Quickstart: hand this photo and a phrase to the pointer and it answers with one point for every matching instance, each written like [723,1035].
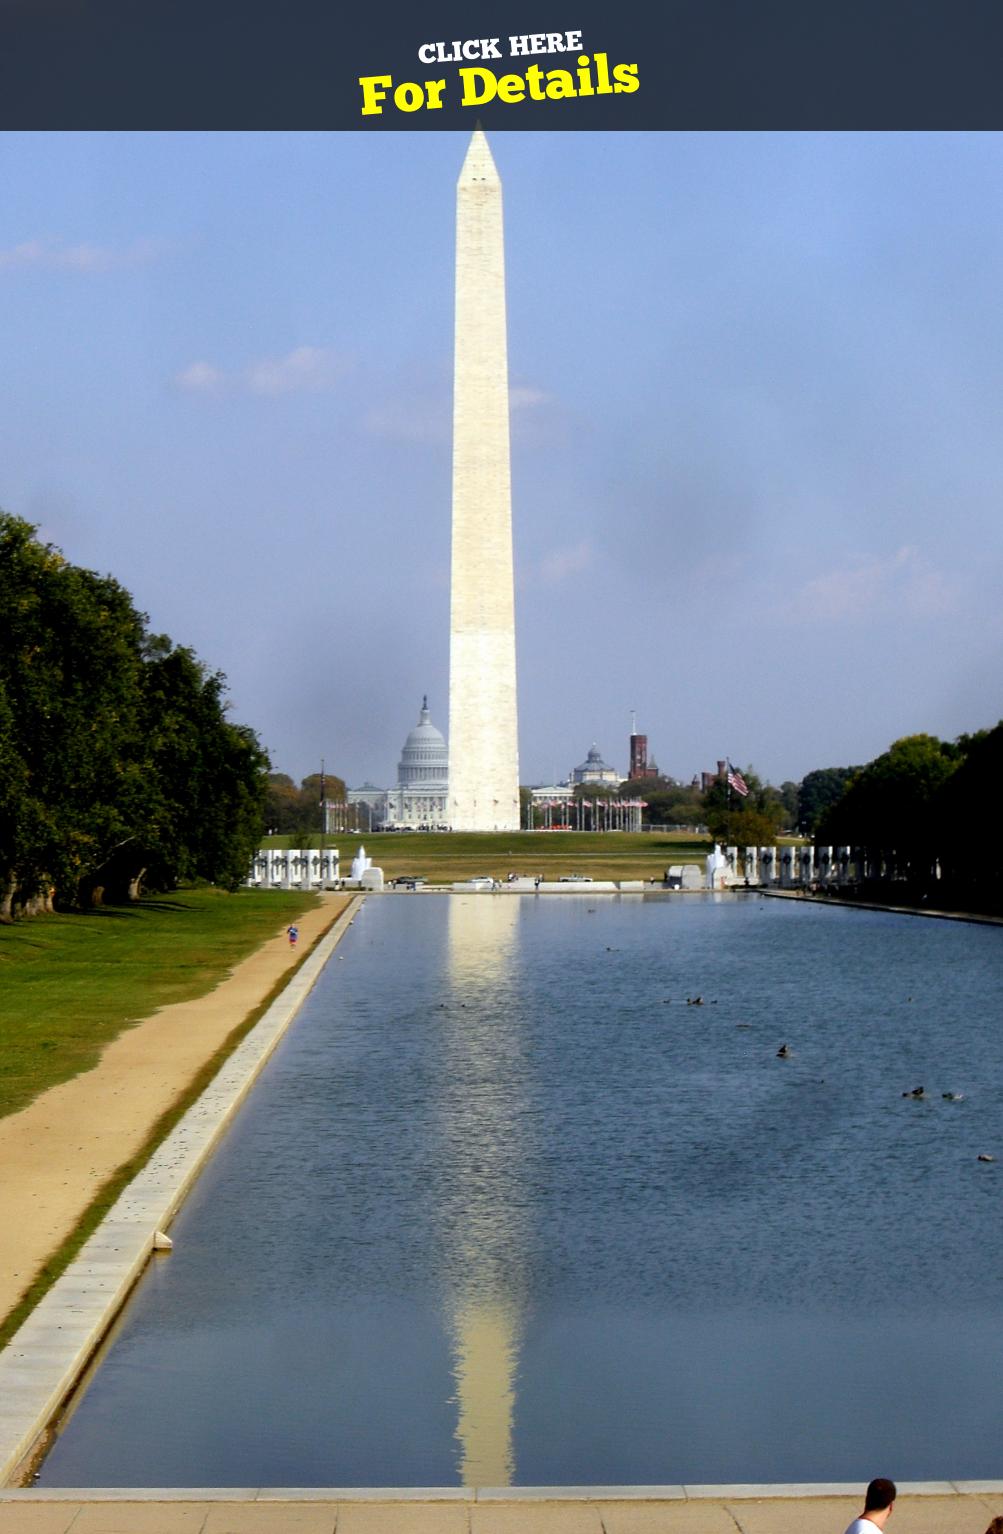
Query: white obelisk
[483,727]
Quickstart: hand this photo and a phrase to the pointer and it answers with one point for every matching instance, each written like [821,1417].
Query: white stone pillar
[483,726]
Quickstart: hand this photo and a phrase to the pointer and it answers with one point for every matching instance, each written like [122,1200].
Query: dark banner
[301,64]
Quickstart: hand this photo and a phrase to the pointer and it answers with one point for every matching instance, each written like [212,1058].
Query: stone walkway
[724,1510]
[57,1152]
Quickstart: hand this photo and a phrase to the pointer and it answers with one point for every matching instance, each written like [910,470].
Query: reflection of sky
[485,1315]
[504,1159]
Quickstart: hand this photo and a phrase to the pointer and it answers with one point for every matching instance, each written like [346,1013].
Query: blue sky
[757,427]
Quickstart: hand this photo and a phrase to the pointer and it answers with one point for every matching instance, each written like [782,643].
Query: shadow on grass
[117,912]
[159,905]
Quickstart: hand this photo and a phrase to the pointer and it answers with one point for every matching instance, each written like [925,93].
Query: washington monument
[483,726]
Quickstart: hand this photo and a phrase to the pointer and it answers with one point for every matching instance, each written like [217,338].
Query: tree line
[921,811]
[764,813]
[292,811]
[119,768]
[922,803]
[925,805]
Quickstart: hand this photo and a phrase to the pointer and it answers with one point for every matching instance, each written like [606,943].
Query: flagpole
[323,825]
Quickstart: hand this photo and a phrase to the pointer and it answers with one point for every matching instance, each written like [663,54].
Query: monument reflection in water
[484,1235]
[503,1208]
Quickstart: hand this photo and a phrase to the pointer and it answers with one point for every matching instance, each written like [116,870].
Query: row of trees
[118,765]
[757,818]
[924,803]
[297,811]
[916,800]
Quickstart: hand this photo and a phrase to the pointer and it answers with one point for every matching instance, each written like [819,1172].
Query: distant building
[418,803]
[708,779]
[594,770]
[369,807]
[640,767]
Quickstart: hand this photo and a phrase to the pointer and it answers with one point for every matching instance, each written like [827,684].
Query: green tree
[207,776]
[281,802]
[889,804]
[742,827]
[668,803]
[749,821]
[820,792]
[116,758]
[293,811]
[789,796]
[961,818]
[594,791]
[70,672]
[18,808]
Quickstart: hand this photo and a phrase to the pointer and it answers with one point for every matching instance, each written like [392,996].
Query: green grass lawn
[69,984]
[445,856]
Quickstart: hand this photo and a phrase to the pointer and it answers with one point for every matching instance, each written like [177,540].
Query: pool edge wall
[47,1356]
[788,1493]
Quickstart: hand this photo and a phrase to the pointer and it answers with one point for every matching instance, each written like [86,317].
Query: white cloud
[200,378]
[423,418]
[47,255]
[563,562]
[904,584]
[304,370]
[522,397]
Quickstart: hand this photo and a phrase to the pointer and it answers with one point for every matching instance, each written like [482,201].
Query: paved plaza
[723,1510]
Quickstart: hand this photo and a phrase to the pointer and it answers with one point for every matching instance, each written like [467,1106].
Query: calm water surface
[503,1208]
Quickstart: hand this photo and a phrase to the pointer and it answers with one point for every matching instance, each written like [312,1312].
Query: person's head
[880,1495]
[996,1527]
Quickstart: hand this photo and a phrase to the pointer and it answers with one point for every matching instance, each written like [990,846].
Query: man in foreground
[879,1502]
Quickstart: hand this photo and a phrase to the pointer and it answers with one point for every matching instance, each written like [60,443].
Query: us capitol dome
[418,803]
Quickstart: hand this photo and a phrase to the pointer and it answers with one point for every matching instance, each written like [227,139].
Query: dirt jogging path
[57,1153]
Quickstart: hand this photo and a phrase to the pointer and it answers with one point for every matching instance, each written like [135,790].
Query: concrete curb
[493,1494]
[48,1355]
[835,904]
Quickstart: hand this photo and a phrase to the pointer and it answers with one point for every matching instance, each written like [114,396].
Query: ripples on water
[504,1207]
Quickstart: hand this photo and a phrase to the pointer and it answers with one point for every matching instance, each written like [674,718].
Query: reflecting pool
[506,1206]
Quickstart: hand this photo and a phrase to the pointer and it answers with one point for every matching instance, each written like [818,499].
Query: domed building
[418,803]
[595,770]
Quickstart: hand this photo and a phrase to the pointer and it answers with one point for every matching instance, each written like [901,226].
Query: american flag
[736,781]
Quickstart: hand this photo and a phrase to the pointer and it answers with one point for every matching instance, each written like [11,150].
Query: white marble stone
[483,725]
